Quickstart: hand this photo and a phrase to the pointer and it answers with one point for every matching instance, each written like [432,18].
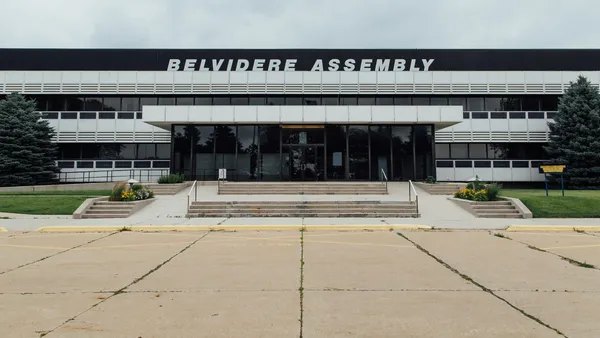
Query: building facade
[285,115]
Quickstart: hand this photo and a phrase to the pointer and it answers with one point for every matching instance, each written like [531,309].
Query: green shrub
[430,180]
[171,179]
[480,196]
[137,187]
[492,191]
[117,191]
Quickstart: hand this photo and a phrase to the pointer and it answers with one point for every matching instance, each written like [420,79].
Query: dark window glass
[549,103]
[148,101]
[312,101]
[420,101]
[463,164]
[239,101]
[74,104]
[501,164]
[116,151]
[146,151]
[358,146]
[479,115]
[56,103]
[402,148]
[269,161]
[293,101]
[381,152]
[87,116]
[478,150]
[257,101]
[275,101]
[106,116]
[123,164]
[538,115]
[514,115]
[551,116]
[366,101]
[493,103]
[330,101]
[68,116]
[384,100]
[442,150]
[336,152]
[104,164]
[182,139]
[402,101]
[445,164]
[125,116]
[93,104]
[466,115]
[496,151]
[112,103]
[203,101]
[69,151]
[499,116]
[184,101]
[510,104]
[303,136]
[348,100]
[221,101]
[130,104]
[247,153]
[483,164]
[163,151]
[139,115]
[475,103]
[142,164]
[50,116]
[66,165]
[89,150]
[459,150]
[205,156]
[530,103]
[458,101]
[423,151]
[520,164]
[41,103]
[439,101]
[85,164]
[226,148]
[166,101]
[536,164]
[161,164]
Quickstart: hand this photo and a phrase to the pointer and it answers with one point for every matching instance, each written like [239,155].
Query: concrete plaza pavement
[432,283]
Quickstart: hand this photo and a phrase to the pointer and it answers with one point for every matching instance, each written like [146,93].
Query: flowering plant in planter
[478,191]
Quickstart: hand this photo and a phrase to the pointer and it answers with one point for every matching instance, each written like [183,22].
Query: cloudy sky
[301,23]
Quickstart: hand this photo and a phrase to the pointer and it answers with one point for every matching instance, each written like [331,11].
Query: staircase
[166,189]
[442,188]
[496,209]
[107,209]
[304,188]
[303,209]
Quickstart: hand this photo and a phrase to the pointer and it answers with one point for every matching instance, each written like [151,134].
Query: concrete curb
[85,205]
[164,228]
[516,228]
[520,206]
[3,229]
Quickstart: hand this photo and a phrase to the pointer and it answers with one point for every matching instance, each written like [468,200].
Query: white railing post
[193,188]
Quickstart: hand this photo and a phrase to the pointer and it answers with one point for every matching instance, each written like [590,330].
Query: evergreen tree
[26,153]
[575,135]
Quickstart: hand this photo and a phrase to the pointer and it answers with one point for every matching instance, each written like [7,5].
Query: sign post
[554,169]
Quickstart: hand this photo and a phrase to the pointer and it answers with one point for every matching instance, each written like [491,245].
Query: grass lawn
[575,204]
[43,205]
[58,193]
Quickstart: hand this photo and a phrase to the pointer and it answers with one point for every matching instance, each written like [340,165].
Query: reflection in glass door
[306,163]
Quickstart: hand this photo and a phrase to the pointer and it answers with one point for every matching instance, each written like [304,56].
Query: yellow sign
[553,168]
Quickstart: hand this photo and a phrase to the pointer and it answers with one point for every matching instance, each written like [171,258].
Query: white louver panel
[143,137]
[65,136]
[535,89]
[200,89]
[405,88]
[66,88]
[442,88]
[219,89]
[108,88]
[443,137]
[479,88]
[145,88]
[87,137]
[163,89]
[460,89]
[497,88]
[312,88]
[519,136]
[538,136]
[164,137]
[182,88]
[480,136]
[89,88]
[386,89]
[423,89]
[128,88]
[500,136]
[367,89]
[123,136]
[105,137]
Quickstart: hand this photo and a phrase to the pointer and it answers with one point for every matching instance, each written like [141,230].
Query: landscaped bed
[41,205]
[575,204]
[57,193]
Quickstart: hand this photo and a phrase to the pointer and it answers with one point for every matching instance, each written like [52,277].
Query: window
[458,101]
[106,116]
[66,165]
[247,153]
[148,101]
[439,101]
[142,164]
[257,101]
[139,115]
[166,101]
[93,104]
[463,164]
[384,101]
[112,103]
[312,101]
[68,116]
[89,150]
[366,101]
[69,151]
[518,115]
[531,103]
[510,104]
[221,101]
[538,115]
[130,103]
[50,116]
[348,101]
[146,151]
[402,101]
[358,147]
[501,164]
[74,104]
[104,164]
[161,164]
[125,116]
[466,115]
[520,164]
[226,147]
[380,152]
[420,101]
[293,101]
[479,115]
[459,150]
[184,101]
[442,150]
[498,116]
[445,164]
[549,103]
[483,164]
[478,150]
[475,104]
[85,164]
[123,164]
[493,103]
[275,101]
[163,150]
[551,116]
[239,101]
[203,101]
[56,103]
[87,116]
[330,101]
[336,151]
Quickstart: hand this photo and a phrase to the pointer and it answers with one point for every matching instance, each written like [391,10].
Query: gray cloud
[301,23]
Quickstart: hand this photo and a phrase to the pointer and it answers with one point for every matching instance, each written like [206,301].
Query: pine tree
[575,135]
[27,155]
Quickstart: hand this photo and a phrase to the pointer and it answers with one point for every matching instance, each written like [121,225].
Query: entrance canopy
[166,116]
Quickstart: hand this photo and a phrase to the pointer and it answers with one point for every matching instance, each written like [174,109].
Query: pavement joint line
[57,253]
[481,286]
[131,245]
[565,258]
[32,247]
[572,247]
[121,290]
[592,228]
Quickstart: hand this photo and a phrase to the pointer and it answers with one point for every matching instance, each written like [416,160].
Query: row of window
[489,164]
[504,151]
[114,151]
[114,164]
[134,103]
[509,115]
[91,116]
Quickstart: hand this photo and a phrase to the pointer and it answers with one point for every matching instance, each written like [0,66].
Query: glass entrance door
[306,163]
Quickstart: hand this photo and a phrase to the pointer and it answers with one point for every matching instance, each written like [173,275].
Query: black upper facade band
[324,60]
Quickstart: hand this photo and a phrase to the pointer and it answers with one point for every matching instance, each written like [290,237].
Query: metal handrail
[195,189]
[411,189]
[384,179]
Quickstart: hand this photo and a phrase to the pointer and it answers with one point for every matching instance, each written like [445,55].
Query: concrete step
[107,212]
[86,215]
[302,202]
[109,207]
[297,211]
[296,207]
[493,206]
[324,215]
[500,215]
[489,203]
[497,211]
